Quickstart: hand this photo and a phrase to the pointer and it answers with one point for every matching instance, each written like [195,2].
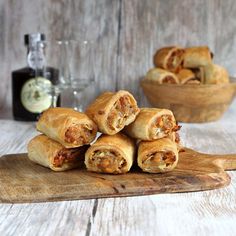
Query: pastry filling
[177,138]
[174,136]
[164,124]
[65,156]
[160,160]
[79,134]
[120,112]
[107,161]
[168,80]
[175,59]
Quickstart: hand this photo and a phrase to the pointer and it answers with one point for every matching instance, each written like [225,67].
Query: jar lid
[33,38]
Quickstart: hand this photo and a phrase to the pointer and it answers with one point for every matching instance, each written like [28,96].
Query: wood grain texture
[23,181]
[68,217]
[126,35]
[191,103]
[149,25]
[209,212]
[187,22]
[96,21]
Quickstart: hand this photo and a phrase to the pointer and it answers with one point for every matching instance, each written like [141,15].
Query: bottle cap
[33,38]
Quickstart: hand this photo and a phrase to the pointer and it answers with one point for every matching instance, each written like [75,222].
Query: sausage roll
[110,154]
[195,57]
[67,126]
[113,111]
[162,76]
[49,153]
[152,123]
[157,156]
[169,58]
[215,74]
[186,76]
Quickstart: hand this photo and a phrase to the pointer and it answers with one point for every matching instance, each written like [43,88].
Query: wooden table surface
[127,33]
[198,213]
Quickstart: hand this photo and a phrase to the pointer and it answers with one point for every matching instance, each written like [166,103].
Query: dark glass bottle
[28,98]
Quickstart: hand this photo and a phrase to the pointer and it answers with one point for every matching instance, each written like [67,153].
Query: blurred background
[126,34]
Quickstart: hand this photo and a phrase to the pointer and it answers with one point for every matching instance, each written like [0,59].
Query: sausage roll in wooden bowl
[195,57]
[202,91]
[169,58]
[215,74]
[162,76]
[186,76]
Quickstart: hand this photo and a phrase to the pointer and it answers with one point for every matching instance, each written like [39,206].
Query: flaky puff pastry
[113,111]
[161,76]
[215,74]
[67,126]
[112,154]
[186,76]
[49,153]
[175,137]
[169,58]
[151,124]
[157,156]
[195,57]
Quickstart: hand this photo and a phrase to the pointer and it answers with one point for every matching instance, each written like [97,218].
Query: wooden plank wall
[126,32]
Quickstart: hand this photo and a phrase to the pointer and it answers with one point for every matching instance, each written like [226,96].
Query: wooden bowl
[191,103]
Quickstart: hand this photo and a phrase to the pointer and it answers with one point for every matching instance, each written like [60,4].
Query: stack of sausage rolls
[113,152]
[193,65]
[122,126]
[158,141]
[128,133]
[66,135]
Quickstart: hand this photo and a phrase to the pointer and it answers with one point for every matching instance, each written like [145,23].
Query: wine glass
[52,64]
[81,69]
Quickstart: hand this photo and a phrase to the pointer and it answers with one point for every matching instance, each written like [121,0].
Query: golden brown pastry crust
[43,151]
[215,74]
[161,76]
[186,76]
[195,57]
[61,123]
[150,157]
[169,58]
[110,154]
[144,127]
[101,111]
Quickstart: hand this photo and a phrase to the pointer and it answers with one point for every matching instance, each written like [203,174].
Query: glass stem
[76,104]
[54,99]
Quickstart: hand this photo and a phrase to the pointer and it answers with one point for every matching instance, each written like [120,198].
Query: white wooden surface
[200,213]
[125,33]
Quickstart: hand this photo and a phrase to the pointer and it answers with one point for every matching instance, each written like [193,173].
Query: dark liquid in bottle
[19,78]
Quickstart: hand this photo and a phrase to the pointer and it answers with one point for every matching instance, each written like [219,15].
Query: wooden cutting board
[23,181]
